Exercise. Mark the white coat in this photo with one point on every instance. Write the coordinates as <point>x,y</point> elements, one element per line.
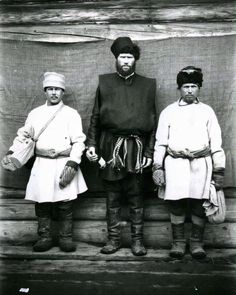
<point>63,133</point>
<point>188,127</point>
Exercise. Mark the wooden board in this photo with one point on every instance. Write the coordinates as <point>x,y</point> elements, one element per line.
<point>156,234</point>
<point>16,193</point>
<point>95,33</point>
<point>95,209</point>
<point>90,252</point>
<point>103,278</point>
<point>124,11</point>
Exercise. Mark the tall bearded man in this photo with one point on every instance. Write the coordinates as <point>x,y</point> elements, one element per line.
<point>122,132</point>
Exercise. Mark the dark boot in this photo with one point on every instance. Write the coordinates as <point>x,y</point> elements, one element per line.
<point>136,218</point>
<point>137,246</point>
<point>66,243</point>
<point>45,241</point>
<point>196,242</point>
<point>113,224</point>
<point>178,248</point>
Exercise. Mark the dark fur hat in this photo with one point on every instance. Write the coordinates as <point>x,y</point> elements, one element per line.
<point>190,74</point>
<point>125,45</point>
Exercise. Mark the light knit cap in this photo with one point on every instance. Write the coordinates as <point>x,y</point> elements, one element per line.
<point>52,79</point>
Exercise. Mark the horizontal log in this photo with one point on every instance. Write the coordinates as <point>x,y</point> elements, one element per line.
<point>95,209</point>
<point>156,234</point>
<point>91,252</point>
<point>95,33</point>
<point>59,14</point>
<point>15,193</point>
<point>106,4</point>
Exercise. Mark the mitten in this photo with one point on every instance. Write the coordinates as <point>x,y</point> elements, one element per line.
<point>158,176</point>
<point>68,174</point>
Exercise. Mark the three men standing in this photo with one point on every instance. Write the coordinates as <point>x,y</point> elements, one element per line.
<point>187,157</point>
<point>122,132</point>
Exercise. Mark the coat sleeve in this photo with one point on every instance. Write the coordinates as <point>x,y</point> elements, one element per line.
<point>23,133</point>
<point>149,146</point>
<point>77,137</point>
<point>94,128</point>
<point>215,141</point>
<point>161,143</point>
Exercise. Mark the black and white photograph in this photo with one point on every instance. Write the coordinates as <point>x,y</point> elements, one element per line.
<point>118,147</point>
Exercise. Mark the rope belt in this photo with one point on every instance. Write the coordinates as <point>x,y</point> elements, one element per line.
<point>117,161</point>
<point>186,154</point>
<point>52,154</point>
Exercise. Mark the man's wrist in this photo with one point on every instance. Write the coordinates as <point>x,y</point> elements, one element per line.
<point>156,166</point>
<point>72,164</point>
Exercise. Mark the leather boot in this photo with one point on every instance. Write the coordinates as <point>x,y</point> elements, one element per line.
<point>196,242</point>
<point>113,224</point>
<point>136,217</point>
<point>178,248</point>
<point>45,241</point>
<point>66,243</point>
<point>113,227</point>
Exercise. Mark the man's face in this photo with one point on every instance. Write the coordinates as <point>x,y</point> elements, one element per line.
<point>125,63</point>
<point>54,95</point>
<point>189,92</point>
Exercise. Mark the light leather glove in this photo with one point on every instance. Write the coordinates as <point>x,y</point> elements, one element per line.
<point>158,176</point>
<point>68,173</point>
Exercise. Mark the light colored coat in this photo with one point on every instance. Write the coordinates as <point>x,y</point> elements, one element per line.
<point>188,127</point>
<point>63,133</point>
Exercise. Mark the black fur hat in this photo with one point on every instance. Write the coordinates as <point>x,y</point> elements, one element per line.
<point>190,74</point>
<point>125,45</point>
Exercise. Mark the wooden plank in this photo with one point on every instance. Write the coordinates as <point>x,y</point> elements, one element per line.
<point>94,33</point>
<point>48,277</point>
<point>156,234</point>
<point>95,267</point>
<point>90,252</point>
<point>107,4</point>
<point>139,277</point>
<point>95,209</point>
<point>76,14</point>
<point>16,193</point>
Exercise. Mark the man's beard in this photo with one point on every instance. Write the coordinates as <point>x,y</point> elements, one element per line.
<point>125,73</point>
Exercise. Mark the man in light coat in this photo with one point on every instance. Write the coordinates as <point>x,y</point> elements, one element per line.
<point>187,157</point>
<point>55,178</point>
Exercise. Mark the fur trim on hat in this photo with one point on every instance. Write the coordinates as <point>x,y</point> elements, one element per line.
<point>125,45</point>
<point>190,74</point>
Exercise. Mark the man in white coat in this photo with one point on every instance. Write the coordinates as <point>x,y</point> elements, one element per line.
<point>55,179</point>
<point>187,157</point>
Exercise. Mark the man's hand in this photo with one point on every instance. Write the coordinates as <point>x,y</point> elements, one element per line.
<point>7,163</point>
<point>91,155</point>
<point>218,178</point>
<point>158,177</point>
<point>67,175</point>
<point>146,162</point>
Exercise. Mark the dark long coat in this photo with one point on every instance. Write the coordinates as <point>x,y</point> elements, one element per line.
<point>123,108</point>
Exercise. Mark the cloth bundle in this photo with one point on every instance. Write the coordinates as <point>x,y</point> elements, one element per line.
<point>215,207</point>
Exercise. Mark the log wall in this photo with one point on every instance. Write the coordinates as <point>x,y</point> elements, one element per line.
<point>18,225</point>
